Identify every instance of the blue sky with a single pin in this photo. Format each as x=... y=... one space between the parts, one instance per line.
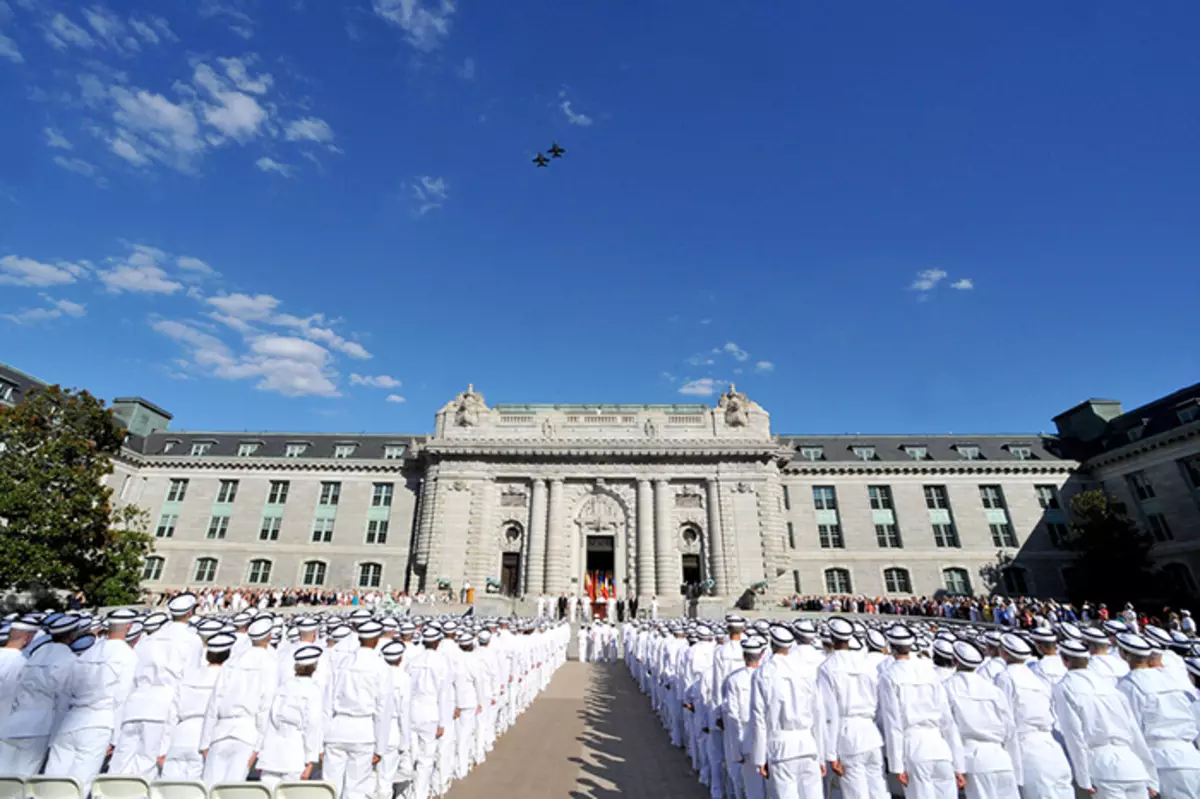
x=875 y=217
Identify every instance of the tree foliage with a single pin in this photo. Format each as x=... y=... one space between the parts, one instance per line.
x=58 y=528
x=1112 y=554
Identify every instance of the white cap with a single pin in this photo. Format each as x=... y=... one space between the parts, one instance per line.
x=393 y=651
x=968 y=655
x=1074 y=648
x=840 y=629
x=1134 y=644
x=782 y=637
x=1016 y=646
x=370 y=629
x=122 y=616
x=306 y=654
x=221 y=642
x=260 y=628
x=182 y=604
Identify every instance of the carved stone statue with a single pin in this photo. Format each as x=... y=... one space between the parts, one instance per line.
x=548 y=429
x=651 y=429
x=736 y=407
x=467 y=407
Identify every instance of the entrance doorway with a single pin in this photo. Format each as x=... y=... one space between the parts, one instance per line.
x=691 y=574
x=599 y=579
x=510 y=574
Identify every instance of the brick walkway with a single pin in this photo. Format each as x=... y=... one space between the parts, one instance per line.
x=590 y=735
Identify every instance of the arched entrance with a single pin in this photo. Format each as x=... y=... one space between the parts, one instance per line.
x=601 y=522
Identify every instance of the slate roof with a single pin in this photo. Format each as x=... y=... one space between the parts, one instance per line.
x=890 y=448
x=1155 y=417
x=20 y=381
x=368 y=446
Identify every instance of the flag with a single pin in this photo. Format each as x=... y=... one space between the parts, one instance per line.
x=587 y=586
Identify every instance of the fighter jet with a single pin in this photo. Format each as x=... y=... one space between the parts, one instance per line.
x=556 y=151
x=541 y=160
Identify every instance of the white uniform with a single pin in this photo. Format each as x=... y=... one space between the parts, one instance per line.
x=97 y=692
x=1042 y=769
x=432 y=709
x=399 y=731
x=180 y=742
x=294 y=733
x=1165 y=711
x=848 y=686
x=919 y=732
x=1104 y=742
x=237 y=714
x=788 y=728
x=39 y=704
x=471 y=685
x=361 y=708
x=735 y=710
x=11 y=663
x=989 y=736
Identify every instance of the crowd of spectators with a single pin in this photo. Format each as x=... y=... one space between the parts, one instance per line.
x=1022 y=612
x=237 y=599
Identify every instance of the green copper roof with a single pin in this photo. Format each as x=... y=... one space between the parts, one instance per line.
x=600 y=410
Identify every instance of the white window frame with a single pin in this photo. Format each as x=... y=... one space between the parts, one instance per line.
x=902 y=575
x=7 y=390
x=217 y=530
x=177 y=496
x=812 y=453
x=277 y=492
x=957 y=571
x=863 y=453
x=917 y=453
x=295 y=450
x=304 y=573
x=216 y=565
x=271 y=525
x=377 y=573
x=1021 y=452
x=381 y=495
x=227 y=492
x=158 y=562
x=166 y=522
x=1047 y=496
x=247 y=448
x=201 y=448
x=377 y=531
x=393 y=452
x=343 y=451
x=825 y=503
x=325 y=528
x=969 y=452
x=330 y=490
x=265 y=579
x=840 y=572
x=880 y=497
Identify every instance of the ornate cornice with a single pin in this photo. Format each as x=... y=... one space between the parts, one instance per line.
x=933 y=468
x=251 y=464
x=1144 y=446
x=602 y=447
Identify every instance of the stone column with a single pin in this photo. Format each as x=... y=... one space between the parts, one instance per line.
x=558 y=553
x=716 y=551
x=535 y=550
x=666 y=567
x=647 y=584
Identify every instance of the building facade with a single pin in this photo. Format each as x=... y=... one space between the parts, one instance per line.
x=649 y=500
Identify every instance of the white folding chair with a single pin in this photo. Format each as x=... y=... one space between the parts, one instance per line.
x=239 y=790
x=12 y=788
x=178 y=789
x=305 y=790
x=314 y=789
x=53 y=788
x=114 y=786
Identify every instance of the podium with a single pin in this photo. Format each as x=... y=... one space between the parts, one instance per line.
x=599 y=609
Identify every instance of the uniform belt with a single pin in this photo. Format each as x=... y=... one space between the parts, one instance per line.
x=353 y=715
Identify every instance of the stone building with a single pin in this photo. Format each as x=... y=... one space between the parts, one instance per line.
x=529 y=499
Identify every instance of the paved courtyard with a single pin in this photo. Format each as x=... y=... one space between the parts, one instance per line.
x=590 y=735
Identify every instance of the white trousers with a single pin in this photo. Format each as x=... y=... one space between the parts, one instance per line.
x=863 y=778
x=992 y=785
x=931 y=780
x=424 y=743
x=22 y=757
x=1047 y=770
x=136 y=752
x=1179 y=782
x=1121 y=790
x=754 y=786
x=348 y=767
x=228 y=760
x=794 y=778
x=273 y=778
x=464 y=741
x=79 y=754
x=182 y=764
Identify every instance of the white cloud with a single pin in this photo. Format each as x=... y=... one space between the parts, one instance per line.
x=764 y=367
x=17 y=271
x=701 y=359
x=395 y=398
x=426 y=23
x=63 y=33
x=80 y=167
x=243 y=311
x=233 y=113
x=966 y=284
x=466 y=70
x=704 y=387
x=583 y=120
x=111 y=30
x=244 y=306
x=9 y=50
x=145 y=31
x=706 y=321
x=237 y=71
x=140 y=272
x=429 y=193
x=927 y=279
x=194 y=265
x=127 y=150
x=56 y=139
x=153 y=30
x=380 y=381
x=56 y=310
x=737 y=352
x=153 y=127
x=308 y=129
x=271 y=165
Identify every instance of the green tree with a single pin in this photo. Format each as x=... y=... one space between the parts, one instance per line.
x=58 y=528
x=1112 y=556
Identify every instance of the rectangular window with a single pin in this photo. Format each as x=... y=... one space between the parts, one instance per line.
x=294 y=450
x=322 y=531
x=1047 y=497
x=1021 y=453
x=206 y=570
x=936 y=498
x=152 y=569
x=796 y=580
x=824 y=498
x=247 y=449
x=897 y=581
x=917 y=453
x=864 y=453
x=166 y=526
x=201 y=447
x=1188 y=414
x=837 y=581
x=377 y=530
x=1003 y=535
x=1142 y=486
x=7 y=391
x=393 y=452
x=787 y=499
x=831 y=536
x=330 y=493
x=370 y=575
x=791 y=535
x=968 y=452
x=812 y=453
x=1057 y=532
x=992 y=497
x=260 y=572
x=1191 y=470
x=314 y=573
x=1159 y=527
x=881 y=497
x=169 y=447
x=945 y=536
x=228 y=491
x=888 y=536
x=278 y=493
x=343 y=451
x=270 y=528
x=177 y=490
x=217 y=526
x=381 y=495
